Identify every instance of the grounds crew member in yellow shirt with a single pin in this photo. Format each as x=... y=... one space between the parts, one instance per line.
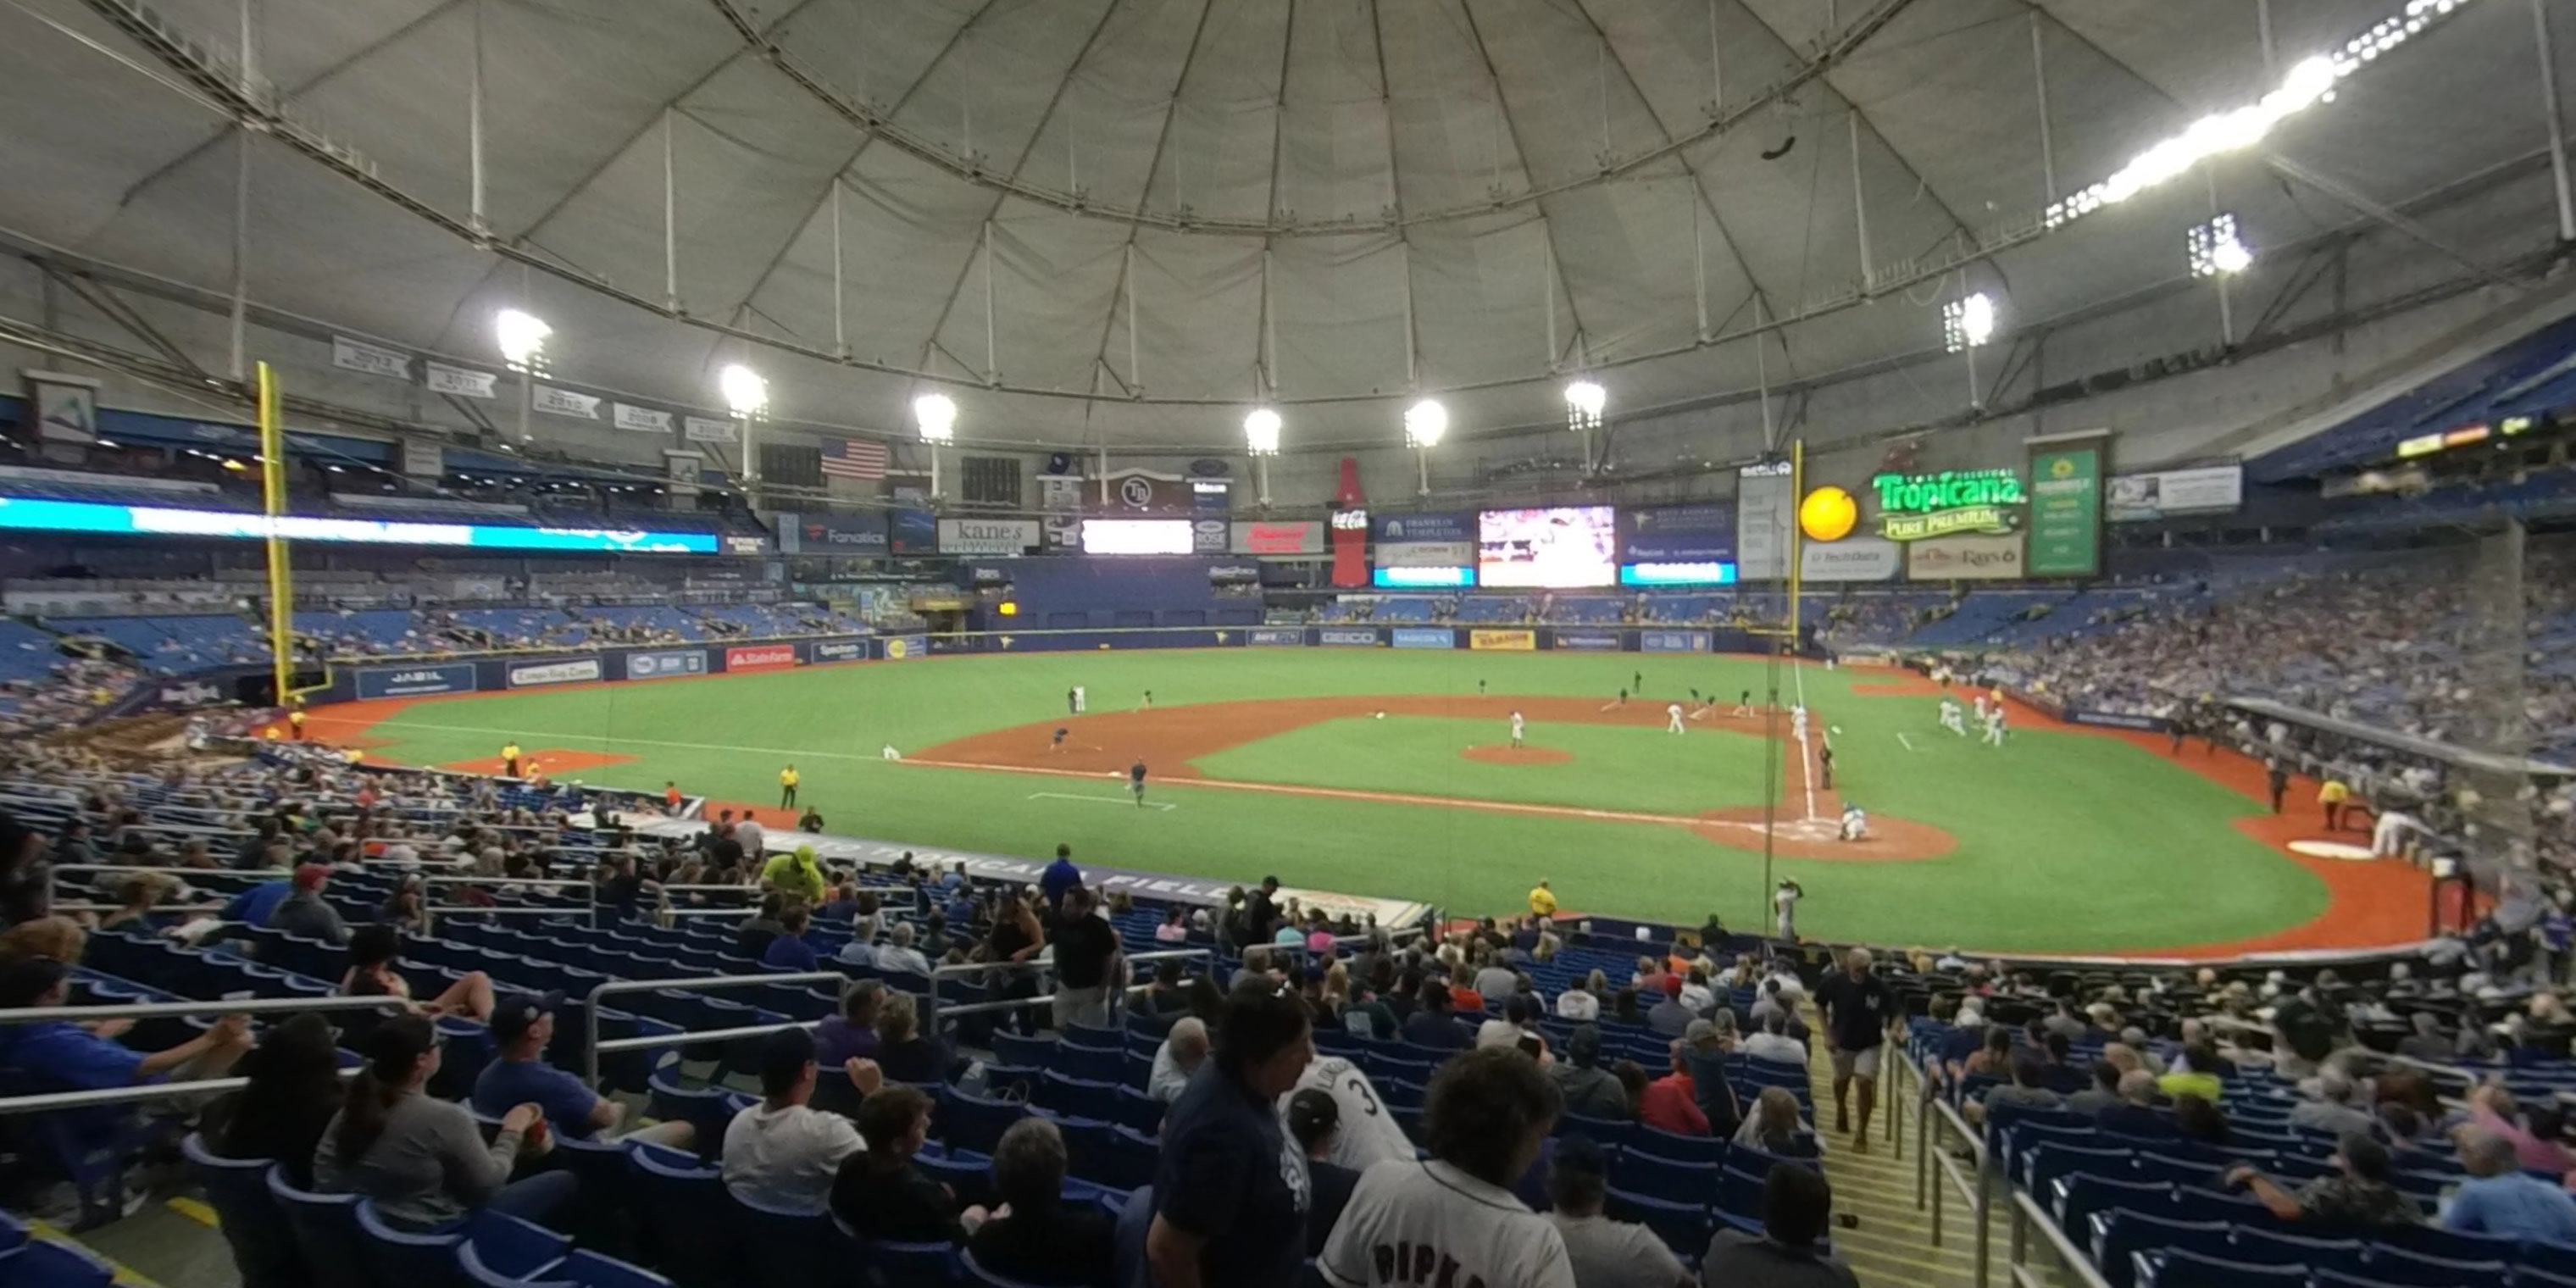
x=510 y=759
x=2332 y=796
x=1543 y=901
x=296 y=719
x=787 y=780
x=797 y=874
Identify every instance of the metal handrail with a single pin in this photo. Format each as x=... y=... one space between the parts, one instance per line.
x=2027 y=1212
x=649 y=1041
x=1934 y=1115
x=590 y=1020
x=168 y=1010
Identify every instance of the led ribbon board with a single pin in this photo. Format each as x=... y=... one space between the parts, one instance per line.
x=32 y=515
x=1912 y=507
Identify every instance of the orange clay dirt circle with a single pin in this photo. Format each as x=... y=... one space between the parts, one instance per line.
x=1168 y=738
x=1507 y=754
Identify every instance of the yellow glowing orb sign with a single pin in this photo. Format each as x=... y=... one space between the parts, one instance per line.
x=1828 y=514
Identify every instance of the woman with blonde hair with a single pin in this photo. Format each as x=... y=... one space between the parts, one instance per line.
x=1337 y=992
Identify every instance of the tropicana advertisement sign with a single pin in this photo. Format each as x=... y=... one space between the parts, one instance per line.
x=1912 y=507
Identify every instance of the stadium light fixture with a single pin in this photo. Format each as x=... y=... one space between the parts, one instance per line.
x=1261 y=432
x=1583 y=403
x=522 y=338
x=1424 y=423
x=936 y=416
x=1967 y=323
x=2215 y=249
x=744 y=391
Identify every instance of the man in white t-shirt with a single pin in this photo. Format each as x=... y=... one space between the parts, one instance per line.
x=2388 y=834
x=1368 y=1134
x=781 y=1153
x=1452 y=1218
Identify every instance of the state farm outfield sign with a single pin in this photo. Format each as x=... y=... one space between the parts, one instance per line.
x=575 y=671
x=760 y=657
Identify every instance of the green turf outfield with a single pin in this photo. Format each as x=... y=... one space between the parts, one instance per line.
x=2066 y=842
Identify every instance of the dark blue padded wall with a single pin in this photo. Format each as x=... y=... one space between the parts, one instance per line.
x=1144 y=599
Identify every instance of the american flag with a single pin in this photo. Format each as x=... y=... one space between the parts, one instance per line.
x=854 y=460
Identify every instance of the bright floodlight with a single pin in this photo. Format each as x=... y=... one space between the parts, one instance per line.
x=1261 y=432
x=1968 y=323
x=2214 y=248
x=744 y=391
x=522 y=337
x=1583 y=403
x=1425 y=422
x=936 y=414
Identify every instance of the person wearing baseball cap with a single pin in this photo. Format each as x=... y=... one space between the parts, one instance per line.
x=1669 y=1017
x=1703 y=1054
x=522 y=1024
x=302 y=911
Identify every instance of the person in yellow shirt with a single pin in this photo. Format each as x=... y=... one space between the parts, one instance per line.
x=2332 y=796
x=296 y=719
x=787 y=780
x=797 y=874
x=510 y=759
x=1542 y=901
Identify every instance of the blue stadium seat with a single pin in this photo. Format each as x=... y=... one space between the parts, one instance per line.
x=1663 y=1178
x=968 y=1175
x=1679 y=1148
x=1684 y=1227
x=2553 y=1258
x=397 y=1258
x=1144 y=1114
x=2399 y=1266
x=1096 y=1064
x=2191 y=1270
x=253 y=1224
x=44 y=1263
x=1078 y=1097
x=907 y=1265
x=1609 y=1133
x=2074 y=1199
x=518 y=1248
x=2051 y=1161
x=2228 y=1209
x=979 y=1277
x=2338 y=1279
x=2121 y=1233
x=2434 y=1241
x=674 y=1201
x=2273 y=1248
x=326 y=1233
x=789 y=1247
x=976 y=1123
x=587 y=1269
x=1129 y=1160
x=703 y=1108
x=1739 y=1193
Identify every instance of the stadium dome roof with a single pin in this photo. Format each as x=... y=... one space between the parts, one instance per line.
x=1129 y=219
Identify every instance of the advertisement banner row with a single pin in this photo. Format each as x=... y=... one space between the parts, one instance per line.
x=376 y=683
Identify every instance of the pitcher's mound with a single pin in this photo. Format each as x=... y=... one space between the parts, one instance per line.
x=1506 y=754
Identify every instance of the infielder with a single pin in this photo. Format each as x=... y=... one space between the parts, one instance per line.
x=1994 y=727
x=1855 y=823
x=1950 y=718
x=1673 y=718
x=1798 y=721
x=1516 y=729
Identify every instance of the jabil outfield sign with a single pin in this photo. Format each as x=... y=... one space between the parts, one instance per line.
x=1912 y=507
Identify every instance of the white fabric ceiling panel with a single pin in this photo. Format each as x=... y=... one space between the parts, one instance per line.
x=1340 y=314
x=909 y=234
x=1198 y=316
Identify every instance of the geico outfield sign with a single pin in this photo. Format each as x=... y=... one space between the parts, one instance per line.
x=1914 y=506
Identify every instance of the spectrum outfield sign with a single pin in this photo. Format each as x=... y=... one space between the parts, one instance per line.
x=1912 y=507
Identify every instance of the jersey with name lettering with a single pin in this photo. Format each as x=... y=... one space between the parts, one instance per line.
x=1427 y=1224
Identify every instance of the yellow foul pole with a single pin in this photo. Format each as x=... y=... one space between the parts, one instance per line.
x=1797 y=551
x=281 y=577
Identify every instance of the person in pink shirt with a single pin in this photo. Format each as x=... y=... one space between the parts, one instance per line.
x=2493 y=1108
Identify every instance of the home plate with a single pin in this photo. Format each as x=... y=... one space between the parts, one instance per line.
x=1103 y=800
x=2344 y=850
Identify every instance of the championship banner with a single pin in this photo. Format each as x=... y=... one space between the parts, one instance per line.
x=1304 y=537
x=415 y=681
x=373 y=359
x=643 y=420
x=764 y=657
x=1503 y=641
x=1673 y=641
x=1968 y=558
x=1275 y=637
x=1439 y=637
x=1346 y=637
x=457 y=382
x=564 y=402
x=1587 y=641
x=535 y=674
x=2066 y=504
x=987 y=536
x=1765 y=502
x=2144 y=498
x=661 y=664
x=699 y=429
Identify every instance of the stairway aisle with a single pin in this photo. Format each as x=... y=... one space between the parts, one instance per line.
x=1892 y=1244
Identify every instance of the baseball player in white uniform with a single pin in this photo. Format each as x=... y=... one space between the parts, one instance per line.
x=1950 y=718
x=1798 y=721
x=1994 y=727
x=1516 y=728
x=1673 y=718
x=1855 y=823
x=1981 y=708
